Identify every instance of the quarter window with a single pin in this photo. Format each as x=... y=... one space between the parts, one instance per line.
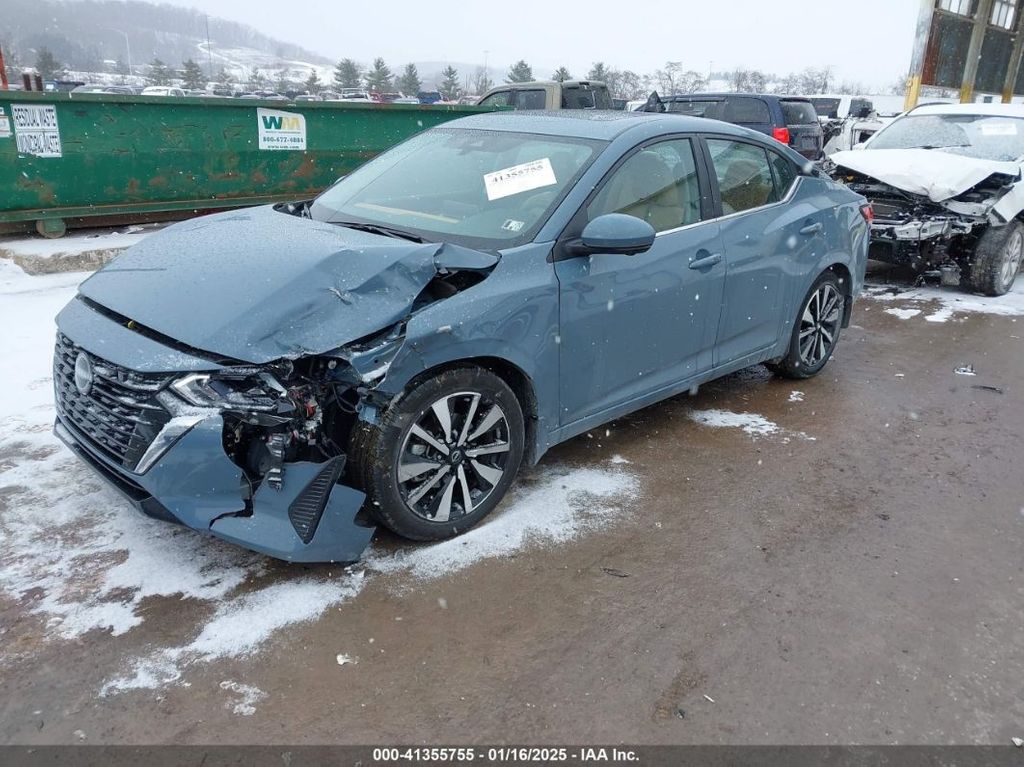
x=744 y=175
x=658 y=184
x=785 y=173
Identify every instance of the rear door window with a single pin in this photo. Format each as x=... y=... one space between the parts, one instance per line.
x=744 y=175
x=531 y=99
x=798 y=112
x=745 y=110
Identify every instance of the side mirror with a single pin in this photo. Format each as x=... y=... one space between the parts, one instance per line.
x=614 y=233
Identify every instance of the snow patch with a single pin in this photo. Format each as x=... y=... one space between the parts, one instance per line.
x=903 y=314
x=796 y=396
x=751 y=423
x=247 y=697
x=950 y=301
x=89 y=241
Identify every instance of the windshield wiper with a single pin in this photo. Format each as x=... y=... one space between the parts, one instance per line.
x=387 y=231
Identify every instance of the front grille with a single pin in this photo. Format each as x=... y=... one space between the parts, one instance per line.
x=119 y=416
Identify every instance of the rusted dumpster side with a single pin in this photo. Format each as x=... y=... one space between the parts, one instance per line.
x=87 y=159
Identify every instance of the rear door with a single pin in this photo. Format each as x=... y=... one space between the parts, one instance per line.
x=750 y=112
x=805 y=134
x=757 y=245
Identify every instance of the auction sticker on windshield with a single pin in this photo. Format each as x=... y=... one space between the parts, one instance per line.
x=998 y=129
x=281 y=130
x=519 y=178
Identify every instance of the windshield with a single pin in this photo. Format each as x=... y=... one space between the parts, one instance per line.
x=986 y=137
x=481 y=189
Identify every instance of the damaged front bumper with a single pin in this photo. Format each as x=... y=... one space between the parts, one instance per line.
x=310 y=519
x=171 y=461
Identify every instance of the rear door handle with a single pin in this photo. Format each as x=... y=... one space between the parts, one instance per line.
x=706 y=261
x=811 y=229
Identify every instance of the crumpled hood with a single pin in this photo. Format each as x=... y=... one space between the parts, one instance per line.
x=931 y=173
x=259 y=285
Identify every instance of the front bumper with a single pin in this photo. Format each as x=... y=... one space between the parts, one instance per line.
x=310 y=519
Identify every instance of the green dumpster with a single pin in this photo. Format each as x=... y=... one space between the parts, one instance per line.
x=70 y=159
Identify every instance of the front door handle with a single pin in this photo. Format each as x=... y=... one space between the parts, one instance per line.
x=706 y=261
x=811 y=229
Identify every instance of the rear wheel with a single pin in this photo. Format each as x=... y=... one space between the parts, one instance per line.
x=997 y=260
x=443 y=455
x=816 y=330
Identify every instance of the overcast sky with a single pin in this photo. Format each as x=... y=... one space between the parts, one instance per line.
x=866 y=41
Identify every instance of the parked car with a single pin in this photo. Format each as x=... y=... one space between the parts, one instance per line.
x=361 y=96
x=945 y=183
x=548 y=94
x=429 y=97
x=162 y=90
x=406 y=100
x=121 y=90
x=447 y=312
x=307 y=97
x=790 y=120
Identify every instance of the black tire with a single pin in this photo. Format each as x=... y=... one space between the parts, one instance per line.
x=996 y=260
x=803 y=360
x=380 y=455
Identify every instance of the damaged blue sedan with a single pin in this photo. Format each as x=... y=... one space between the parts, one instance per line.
x=288 y=377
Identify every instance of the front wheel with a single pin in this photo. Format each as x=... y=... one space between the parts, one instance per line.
x=996 y=260
x=816 y=330
x=443 y=455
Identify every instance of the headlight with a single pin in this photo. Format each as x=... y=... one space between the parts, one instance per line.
x=242 y=391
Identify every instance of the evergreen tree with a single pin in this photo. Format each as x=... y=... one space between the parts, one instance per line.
x=378 y=78
x=281 y=83
x=159 y=74
x=47 y=65
x=257 y=81
x=192 y=76
x=409 y=82
x=450 y=83
x=561 y=75
x=347 y=74
x=313 y=84
x=223 y=76
x=521 y=72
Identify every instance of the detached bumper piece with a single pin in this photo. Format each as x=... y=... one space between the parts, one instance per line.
x=310 y=519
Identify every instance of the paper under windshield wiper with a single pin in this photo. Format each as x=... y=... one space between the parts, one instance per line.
x=387 y=231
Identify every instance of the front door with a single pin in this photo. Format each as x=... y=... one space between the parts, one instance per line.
x=631 y=325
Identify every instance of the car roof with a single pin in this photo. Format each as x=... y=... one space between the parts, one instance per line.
x=689 y=96
x=591 y=124
x=1004 y=110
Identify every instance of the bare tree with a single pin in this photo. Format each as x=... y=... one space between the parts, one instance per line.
x=748 y=81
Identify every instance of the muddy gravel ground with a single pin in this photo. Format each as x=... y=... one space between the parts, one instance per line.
x=828 y=561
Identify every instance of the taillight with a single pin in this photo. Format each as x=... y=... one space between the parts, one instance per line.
x=781 y=135
x=868 y=212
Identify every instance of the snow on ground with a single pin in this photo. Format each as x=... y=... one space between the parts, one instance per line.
x=85 y=249
x=943 y=303
x=76 y=554
x=751 y=423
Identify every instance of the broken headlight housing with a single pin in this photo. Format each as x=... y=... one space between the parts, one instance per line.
x=235 y=390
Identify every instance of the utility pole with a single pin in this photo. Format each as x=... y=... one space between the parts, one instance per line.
x=924 y=27
x=209 y=52
x=3 y=72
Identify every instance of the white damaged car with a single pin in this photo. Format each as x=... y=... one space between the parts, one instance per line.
x=945 y=184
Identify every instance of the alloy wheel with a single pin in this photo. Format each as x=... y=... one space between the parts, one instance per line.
x=1012 y=259
x=453 y=456
x=819 y=325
